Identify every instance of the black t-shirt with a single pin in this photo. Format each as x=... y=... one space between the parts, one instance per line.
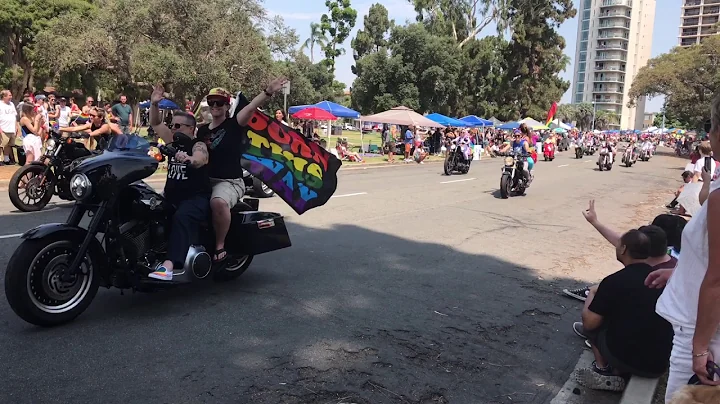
x=636 y=335
x=185 y=181
x=226 y=144
x=103 y=140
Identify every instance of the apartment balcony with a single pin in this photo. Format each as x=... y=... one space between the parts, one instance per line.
x=608 y=90
x=612 y=101
x=692 y=3
x=621 y=3
x=689 y=32
x=609 y=69
x=614 y=25
x=709 y=31
x=616 y=46
x=709 y=20
x=619 y=58
x=710 y=10
x=691 y=12
x=690 y=22
x=610 y=79
x=619 y=14
x=614 y=36
x=688 y=41
x=707 y=2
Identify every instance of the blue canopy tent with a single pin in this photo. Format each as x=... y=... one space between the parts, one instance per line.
x=164 y=104
x=474 y=120
x=509 y=126
x=446 y=120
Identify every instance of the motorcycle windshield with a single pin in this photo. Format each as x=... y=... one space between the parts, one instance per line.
x=128 y=143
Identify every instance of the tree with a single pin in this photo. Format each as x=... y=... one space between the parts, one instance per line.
x=481 y=73
x=688 y=77
x=386 y=82
x=567 y=113
x=338 y=25
x=463 y=20
x=316 y=38
x=534 y=57
x=670 y=121
x=374 y=35
x=20 y=23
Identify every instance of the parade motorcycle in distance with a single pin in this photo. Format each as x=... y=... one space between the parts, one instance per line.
x=604 y=160
x=549 y=151
x=629 y=156
x=590 y=149
x=579 y=152
x=645 y=155
x=455 y=160
x=33 y=185
x=513 y=180
x=55 y=272
x=257 y=187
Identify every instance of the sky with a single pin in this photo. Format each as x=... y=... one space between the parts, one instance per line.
x=299 y=15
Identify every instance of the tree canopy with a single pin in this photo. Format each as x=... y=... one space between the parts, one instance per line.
x=688 y=77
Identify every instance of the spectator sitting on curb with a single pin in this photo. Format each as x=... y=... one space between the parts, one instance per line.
x=659 y=258
x=619 y=320
x=687 y=177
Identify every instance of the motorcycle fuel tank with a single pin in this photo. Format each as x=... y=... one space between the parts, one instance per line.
x=123 y=167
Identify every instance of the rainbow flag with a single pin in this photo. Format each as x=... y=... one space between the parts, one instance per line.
x=299 y=170
x=551 y=113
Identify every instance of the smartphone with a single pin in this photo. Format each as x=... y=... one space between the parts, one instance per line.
x=708 y=164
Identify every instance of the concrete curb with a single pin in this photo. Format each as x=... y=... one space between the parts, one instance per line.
x=639 y=390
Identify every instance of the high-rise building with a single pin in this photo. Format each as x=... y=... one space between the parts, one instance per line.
x=697 y=20
x=613 y=43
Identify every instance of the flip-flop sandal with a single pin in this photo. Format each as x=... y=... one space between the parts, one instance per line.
x=217 y=254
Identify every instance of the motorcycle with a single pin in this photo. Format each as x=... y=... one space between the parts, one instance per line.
x=455 y=160
x=590 y=149
x=55 y=272
x=257 y=187
x=33 y=185
x=605 y=162
x=513 y=178
x=645 y=155
x=549 y=151
x=629 y=157
x=579 y=152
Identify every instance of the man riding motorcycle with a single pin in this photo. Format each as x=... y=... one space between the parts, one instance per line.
x=187 y=186
x=611 y=151
x=519 y=145
x=647 y=146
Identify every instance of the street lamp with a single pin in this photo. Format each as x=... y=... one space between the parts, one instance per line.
x=593 y=121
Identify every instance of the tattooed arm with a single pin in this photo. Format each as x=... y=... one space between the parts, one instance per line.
x=200 y=155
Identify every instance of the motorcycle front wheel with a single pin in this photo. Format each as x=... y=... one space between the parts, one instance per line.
x=35 y=288
x=448 y=166
x=505 y=186
x=31 y=188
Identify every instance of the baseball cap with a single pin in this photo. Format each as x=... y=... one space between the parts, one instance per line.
x=218 y=92
x=40 y=97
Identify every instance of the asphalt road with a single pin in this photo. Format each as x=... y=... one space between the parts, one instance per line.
x=407 y=287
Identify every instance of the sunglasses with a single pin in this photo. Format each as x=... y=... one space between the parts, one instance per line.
x=217 y=103
x=94 y=115
x=179 y=125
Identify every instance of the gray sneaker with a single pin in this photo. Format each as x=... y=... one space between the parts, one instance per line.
x=591 y=379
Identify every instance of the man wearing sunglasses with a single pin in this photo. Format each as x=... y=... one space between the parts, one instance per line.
x=187 y=185
x=225 y=138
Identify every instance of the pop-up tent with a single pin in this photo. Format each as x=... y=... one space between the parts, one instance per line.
x=446 y=120
x=474 y=120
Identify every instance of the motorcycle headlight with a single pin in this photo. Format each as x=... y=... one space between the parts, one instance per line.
x=80 y=187
x=509 y=161
x=453 y=146
x=50 y=144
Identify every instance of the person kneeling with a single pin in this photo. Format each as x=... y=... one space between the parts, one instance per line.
x=626 y=335
x=187 y=186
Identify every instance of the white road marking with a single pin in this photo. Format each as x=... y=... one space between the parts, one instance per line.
x=589 y=161
x=11 y=235
x=563 y=165
x=450 y=182
x=343 y=196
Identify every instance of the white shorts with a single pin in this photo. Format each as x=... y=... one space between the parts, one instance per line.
x=33 y=144
x=681 y=359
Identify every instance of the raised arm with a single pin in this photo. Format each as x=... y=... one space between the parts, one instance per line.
x=243 y=117
x=155 y=119
x=610 y=235
x=80 y=128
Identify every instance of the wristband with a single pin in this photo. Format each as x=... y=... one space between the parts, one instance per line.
x=269 y=94
x=706 y=353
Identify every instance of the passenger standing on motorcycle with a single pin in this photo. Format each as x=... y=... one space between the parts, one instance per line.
x=31 y=126
x=97 y=128
x=187 y=186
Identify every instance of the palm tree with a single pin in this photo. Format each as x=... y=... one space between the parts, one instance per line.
x=316 y=38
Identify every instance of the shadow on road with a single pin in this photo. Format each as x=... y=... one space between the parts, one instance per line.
x=347 y=315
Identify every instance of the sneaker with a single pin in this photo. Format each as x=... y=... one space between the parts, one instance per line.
x=579 y=330
x=599 y=379
x=580 y=294
x=161 y=273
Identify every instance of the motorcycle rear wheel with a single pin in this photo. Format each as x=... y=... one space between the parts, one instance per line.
x=34 y=287
x=36 y=196
x=235 y=267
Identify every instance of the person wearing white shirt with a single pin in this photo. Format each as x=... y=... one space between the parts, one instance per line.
x=690 y=299
x=8 y=124
x=705 y=155
x=63 y=119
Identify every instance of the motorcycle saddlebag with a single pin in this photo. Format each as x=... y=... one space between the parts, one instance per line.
x=257 y=233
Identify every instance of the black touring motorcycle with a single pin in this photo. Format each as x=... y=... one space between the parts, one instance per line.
x=33 y=185
x=455 y=160
x=55 y=272
x=512 y=179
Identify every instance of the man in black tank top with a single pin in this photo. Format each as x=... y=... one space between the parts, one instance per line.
x=187 y=186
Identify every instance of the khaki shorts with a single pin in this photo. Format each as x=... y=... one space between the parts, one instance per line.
x=8 y=139
x=229 y=190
